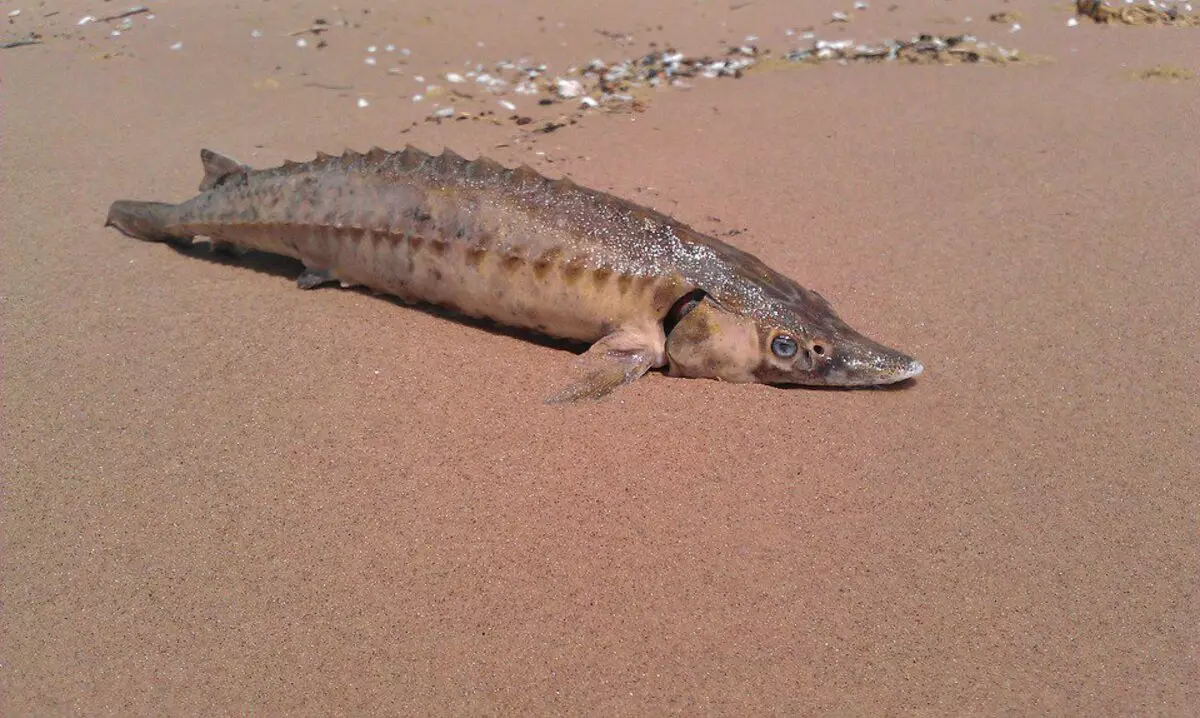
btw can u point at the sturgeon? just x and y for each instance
(520, 249)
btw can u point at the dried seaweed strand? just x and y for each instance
(31, 40)
(128, 13)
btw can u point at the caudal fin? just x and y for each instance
(149, 221)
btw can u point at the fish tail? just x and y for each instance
(149, 221)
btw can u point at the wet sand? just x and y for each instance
(223, 494)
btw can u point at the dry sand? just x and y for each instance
(222, 494)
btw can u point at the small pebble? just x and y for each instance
(454, 77)
(861, 5)
(86, 19)
(256, 33)
(444, 112)
(369, 60)
(1016, 27)
(841, 17)
(14, 13)
(419, 78)
(301, 42)
(1072, 22)
(115, 33)
(418, 98)
(362, 102)
(177, 46)
(589, 102)
(508, 105)
(371, 48)
(390, 48)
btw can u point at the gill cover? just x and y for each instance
(707, 341)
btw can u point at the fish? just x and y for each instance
(640, 288)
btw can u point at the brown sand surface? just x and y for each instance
(222, 494)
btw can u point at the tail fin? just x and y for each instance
(148, 221)
(219, 169)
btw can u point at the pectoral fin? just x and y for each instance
(612, 362)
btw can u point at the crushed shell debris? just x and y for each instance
(920, 49)
(1152, 13)
(627, 85)
(624, 85)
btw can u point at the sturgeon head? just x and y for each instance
(748, 323)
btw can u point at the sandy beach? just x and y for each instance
(223, 495)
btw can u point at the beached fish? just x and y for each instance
(523, 250)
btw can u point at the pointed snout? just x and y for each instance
(868, 363)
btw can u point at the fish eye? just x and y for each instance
(818, 348)
(784, 346)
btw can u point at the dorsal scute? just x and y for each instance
(411, 157)
(486, 168)
(449, 162)
(564, 184)
(377, 155)
(525, 173)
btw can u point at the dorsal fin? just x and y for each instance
(219, 169)
(351, 156)
(323, 156)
